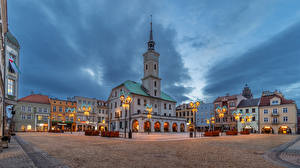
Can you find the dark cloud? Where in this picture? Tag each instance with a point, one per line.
(59, 39)
(271, 65)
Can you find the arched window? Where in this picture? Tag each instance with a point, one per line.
(154, 83)
(155, 92)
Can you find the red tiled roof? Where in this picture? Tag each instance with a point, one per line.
(232, 97)
(265, 100)
(35, 98)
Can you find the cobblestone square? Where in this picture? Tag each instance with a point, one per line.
(158, 150)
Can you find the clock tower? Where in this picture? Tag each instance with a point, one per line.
(151, 80)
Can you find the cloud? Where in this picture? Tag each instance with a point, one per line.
(74, 49)
(271, 65)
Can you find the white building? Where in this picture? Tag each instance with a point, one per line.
(149, 92)
(249, 107)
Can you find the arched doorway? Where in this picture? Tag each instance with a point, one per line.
(147, 126)
(101, 128)
(267, 130)
(181, 127)
(174, 127)
(166, 127)
(284, 130)
(135, 126)
(157, 126)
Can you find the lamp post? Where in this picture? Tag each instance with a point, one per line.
(86, 112)
(126, 100)
(221, 112)
(194, 106)
(211, 122)
(236, 115)
(149, 116)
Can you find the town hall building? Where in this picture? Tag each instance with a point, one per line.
(146, 94)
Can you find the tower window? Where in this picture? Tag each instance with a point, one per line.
(146, 66)
(154, 66)
(154, 83)
(155, 92)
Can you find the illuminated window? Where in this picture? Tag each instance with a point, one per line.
(28, 127)
(40, 117)
(11, 87)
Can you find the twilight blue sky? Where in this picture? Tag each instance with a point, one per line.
(208, 48)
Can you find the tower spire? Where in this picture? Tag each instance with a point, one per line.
(151, 43)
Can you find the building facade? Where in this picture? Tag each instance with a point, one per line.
(148, 94)
(63, 115)
(32, 113)
(102, 115)
(185, 111)
(86, 113)
(205, 112)
(298, 121)
(248, 108)
(277, 114)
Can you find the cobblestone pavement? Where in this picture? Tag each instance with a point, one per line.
(158, 150)
(15, 157)
(292, 154)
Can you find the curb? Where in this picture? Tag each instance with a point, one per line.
(274, 154)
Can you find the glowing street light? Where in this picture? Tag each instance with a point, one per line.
(126, 100)
(194, 106)
(149, 116)
(221, 111)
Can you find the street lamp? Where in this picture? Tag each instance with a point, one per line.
(236, 115)
(221, 111)
(126, 100)
(149, 116)
(194, 106)
(211, 122)
(86, 112)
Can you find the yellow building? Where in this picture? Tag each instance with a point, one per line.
(277, 114)
(63, 115)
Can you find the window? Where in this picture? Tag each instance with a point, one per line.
(183, 113)
(120, 103)
(155, 92)
(155, 105)
(247, 110)
(165, 106)
(154, 66)
(154, 83)
(284, 110)
(29, 109)
(139, 101)
(115, 104)
(265, 111)
(40, 109)
(253, 110)
(170, 107)
(165, 114)
(11, 87)
(146, 66)
(138, 111)
(60, 109)
(145, 102)
(275, 102)
(79, 101)
(266, 119)
(23, 108)
(253, 118)
(188, 113)
(45, 110)
(121, 124)
(54, 108)
(29, 117)
(232, 104)
(275, 120)
(40, 117)
(180, 114)
(285, 119)
(275, 111)
(23, 117)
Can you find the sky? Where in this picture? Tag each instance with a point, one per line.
(207, 48)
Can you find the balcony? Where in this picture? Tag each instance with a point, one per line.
(275, 114)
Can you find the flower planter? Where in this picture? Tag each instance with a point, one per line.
(212, 133)
(110, 134)
(244, 132)
(231, 133)
(91, 133)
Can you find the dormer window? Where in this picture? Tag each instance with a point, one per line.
(275, 102)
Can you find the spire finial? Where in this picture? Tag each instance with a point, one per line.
(151, 43)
